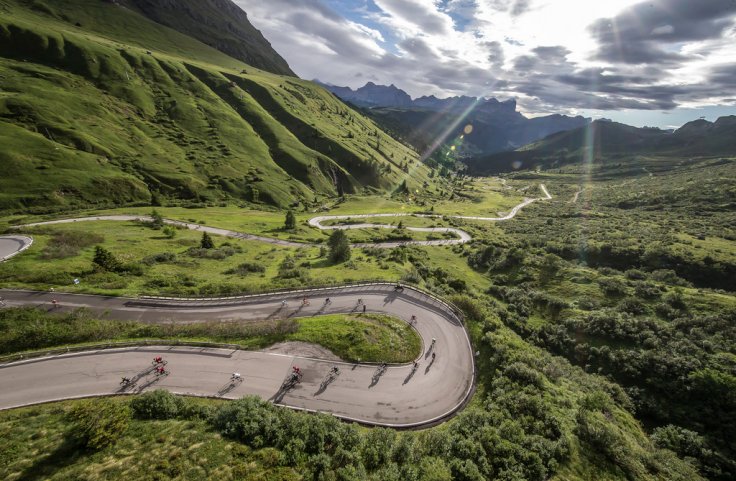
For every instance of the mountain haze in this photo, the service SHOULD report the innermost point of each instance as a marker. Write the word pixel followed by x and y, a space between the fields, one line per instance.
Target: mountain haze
pixel 606 140
pixel 496 125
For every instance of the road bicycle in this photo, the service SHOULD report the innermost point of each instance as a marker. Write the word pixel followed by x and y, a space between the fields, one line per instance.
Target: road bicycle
pixel 379 372
pixel 331 376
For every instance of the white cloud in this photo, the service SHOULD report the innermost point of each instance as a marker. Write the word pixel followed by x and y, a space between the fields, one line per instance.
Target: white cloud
pixel 543 52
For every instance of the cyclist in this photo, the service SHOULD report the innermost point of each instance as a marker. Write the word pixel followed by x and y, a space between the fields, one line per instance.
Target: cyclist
pixel 328 301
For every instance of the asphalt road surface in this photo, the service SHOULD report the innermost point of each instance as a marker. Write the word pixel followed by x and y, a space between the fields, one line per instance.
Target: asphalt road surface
pixel 11 245
pixel 401 397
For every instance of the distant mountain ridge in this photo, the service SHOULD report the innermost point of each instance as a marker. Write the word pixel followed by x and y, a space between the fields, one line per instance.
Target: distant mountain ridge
pixel 372 95
pixel 496 125
pixel 221 24
pixel 602 140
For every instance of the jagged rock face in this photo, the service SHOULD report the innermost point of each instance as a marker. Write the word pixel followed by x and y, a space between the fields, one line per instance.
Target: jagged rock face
pixel 372 95
pixel 218 23
pixel 497 125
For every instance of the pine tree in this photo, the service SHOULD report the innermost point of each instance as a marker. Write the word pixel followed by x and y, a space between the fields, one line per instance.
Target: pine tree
pixel 290 221
pixel 157 220
pixel 206 242
pixel 339 246
pixel 105 259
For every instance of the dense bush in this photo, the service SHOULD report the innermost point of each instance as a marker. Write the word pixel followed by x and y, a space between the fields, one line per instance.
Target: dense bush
pixel 159 258
pixel 104 259
pixel 158 404
pixel 220 253
pixel 99 423
pixel 69 243
pixel 247 268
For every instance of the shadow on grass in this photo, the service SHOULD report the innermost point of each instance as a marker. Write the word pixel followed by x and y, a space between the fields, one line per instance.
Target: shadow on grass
pixel 66 454
pixel 322 264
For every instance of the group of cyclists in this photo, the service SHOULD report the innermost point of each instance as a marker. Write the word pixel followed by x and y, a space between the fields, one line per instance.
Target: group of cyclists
pixel 159 365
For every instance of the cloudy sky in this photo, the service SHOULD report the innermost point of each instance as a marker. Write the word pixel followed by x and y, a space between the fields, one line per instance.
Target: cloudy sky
pixel 658 62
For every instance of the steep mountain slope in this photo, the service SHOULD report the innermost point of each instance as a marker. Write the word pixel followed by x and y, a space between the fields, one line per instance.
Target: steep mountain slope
pixel 605 140
pixel 427 120
pixel 218 23
pixel 102 106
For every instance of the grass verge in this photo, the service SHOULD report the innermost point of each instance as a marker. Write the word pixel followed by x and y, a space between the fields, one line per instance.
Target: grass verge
pixel 369 338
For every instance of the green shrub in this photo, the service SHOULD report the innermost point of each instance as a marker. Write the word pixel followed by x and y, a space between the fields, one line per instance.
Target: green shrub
pixel 612 286
pixel 169 232
pixel 247 268
pixel 158 404
pixel 212 253
pixel 68 244
pixel 99 423
pixel 105 260
pixel 159 258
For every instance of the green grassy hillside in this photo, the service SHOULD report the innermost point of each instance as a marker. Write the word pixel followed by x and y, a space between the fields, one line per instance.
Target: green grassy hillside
pixel 101 106
pixel 218 23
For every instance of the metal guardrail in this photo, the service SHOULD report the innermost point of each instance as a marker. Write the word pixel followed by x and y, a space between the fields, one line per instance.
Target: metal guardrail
pixel 113 345
pixel 455 310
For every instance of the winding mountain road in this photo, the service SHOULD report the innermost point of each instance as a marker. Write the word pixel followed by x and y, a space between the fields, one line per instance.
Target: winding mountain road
pixel 316 222
pixel 12 245
pixel 463 236
pixel 401 397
